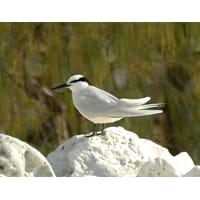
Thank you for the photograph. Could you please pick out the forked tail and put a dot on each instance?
(138, 110)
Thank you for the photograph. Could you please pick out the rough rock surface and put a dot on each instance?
(17, 158)
(118, 153)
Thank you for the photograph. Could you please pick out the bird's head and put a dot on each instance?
(74, 83)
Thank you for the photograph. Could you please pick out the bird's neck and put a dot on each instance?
(79, 87)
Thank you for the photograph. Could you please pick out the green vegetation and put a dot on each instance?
(132, 60)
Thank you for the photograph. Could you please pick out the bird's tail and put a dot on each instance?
(139, 110)
(152, 105)
(146, 109)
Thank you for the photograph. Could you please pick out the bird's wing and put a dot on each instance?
(96, 102)
(132, 102)
(99, 94)
(104, 104)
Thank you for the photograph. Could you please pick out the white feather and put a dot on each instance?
(132, 102)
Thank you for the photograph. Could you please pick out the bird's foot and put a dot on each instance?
(96, 134)
(90, 135)
(101, 133)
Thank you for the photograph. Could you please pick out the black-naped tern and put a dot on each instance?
(101, 107)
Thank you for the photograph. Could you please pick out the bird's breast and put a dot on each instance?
(81, 103)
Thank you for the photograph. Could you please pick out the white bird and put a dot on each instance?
(101, 107)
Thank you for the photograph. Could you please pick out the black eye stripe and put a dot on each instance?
(74, 81)
(81, 79)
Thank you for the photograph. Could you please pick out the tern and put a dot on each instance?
(101, 107)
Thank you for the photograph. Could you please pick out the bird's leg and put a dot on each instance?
(102, 130)
(94, 129)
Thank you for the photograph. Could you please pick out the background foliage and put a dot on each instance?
(132, 60)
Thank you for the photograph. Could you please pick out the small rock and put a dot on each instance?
(17, 158)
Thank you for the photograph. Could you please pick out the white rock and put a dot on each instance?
(17, 158)
(183, 162)
(118, 153)
(194, 172)
(162, 163)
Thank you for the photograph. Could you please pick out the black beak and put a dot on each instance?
(60, 86)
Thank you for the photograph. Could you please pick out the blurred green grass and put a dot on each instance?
(132, 60)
